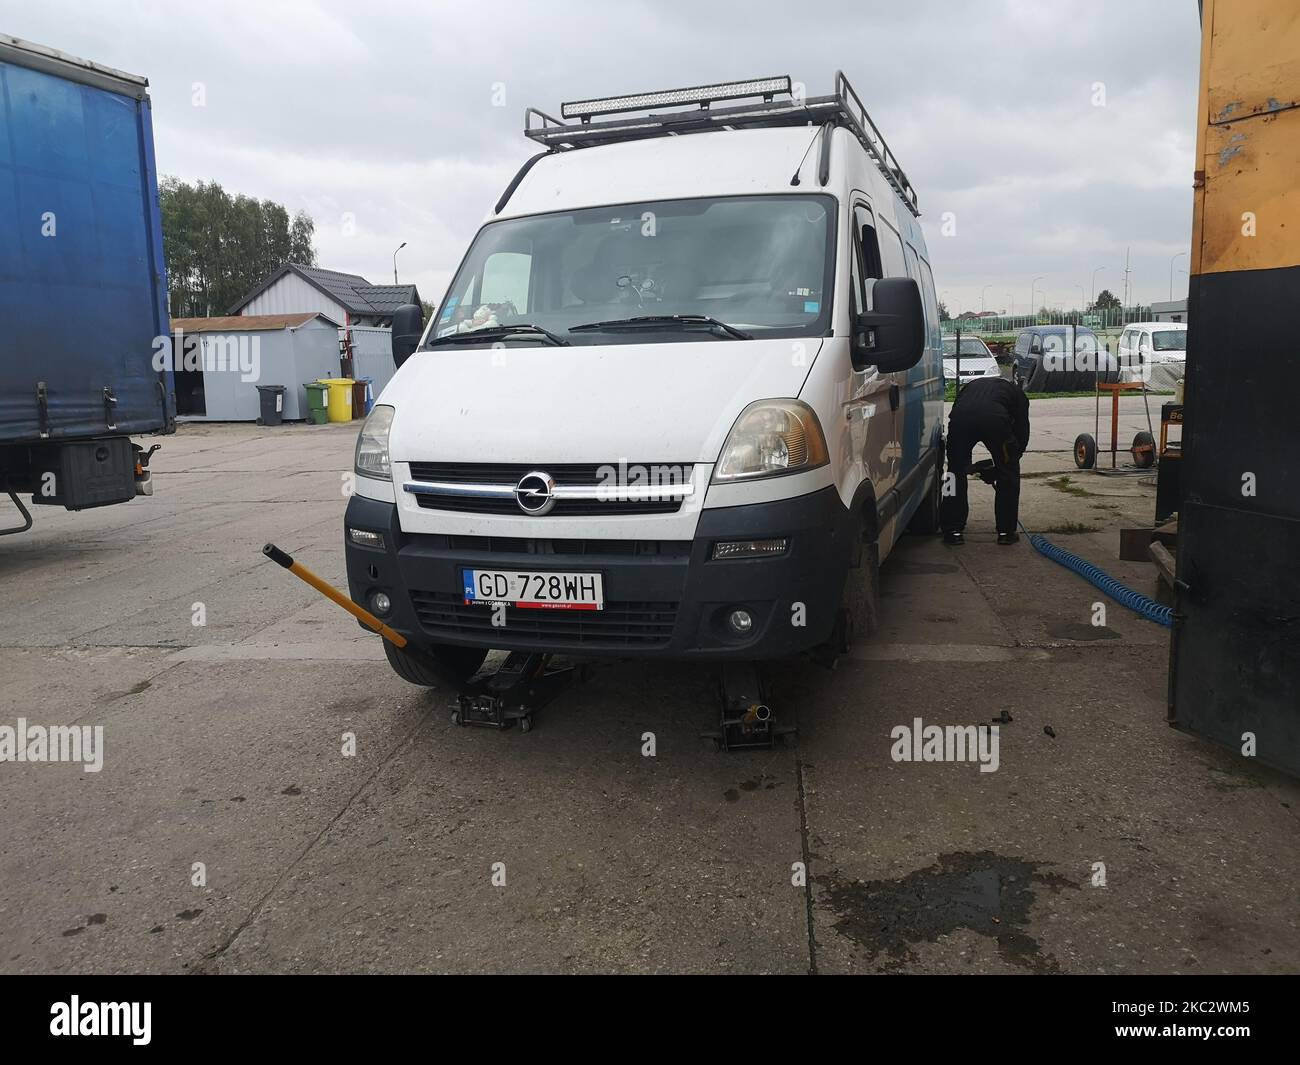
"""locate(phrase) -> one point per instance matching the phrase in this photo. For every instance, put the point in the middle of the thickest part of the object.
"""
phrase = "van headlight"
(772, 436)
(372, 444)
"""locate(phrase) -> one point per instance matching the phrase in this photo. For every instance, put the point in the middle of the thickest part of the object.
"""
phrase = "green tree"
(219, 246)
(1105, 300)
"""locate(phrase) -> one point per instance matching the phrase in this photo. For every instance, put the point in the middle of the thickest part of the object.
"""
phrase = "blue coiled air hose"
(1135, 601)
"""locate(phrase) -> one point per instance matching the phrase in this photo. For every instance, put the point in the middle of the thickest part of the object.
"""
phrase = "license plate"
(534, 591)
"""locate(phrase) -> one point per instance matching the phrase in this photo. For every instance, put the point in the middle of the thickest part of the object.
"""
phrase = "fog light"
(741, 622)
(366, 538)
(381, 603)
(748, 548)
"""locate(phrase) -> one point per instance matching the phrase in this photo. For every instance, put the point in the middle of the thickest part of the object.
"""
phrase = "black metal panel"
(1237, 652)
(1235, 660)
(1242, 416)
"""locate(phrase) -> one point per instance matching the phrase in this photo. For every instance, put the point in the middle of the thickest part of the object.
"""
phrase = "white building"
(364, 313)
(346, 298)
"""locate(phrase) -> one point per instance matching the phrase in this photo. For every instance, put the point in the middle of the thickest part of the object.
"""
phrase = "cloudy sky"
(1059, 134)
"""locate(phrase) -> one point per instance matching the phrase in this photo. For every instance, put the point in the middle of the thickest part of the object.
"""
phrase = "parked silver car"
(976, 359)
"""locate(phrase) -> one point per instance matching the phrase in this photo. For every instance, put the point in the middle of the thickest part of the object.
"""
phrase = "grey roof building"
(346, 298)
(1169, 311)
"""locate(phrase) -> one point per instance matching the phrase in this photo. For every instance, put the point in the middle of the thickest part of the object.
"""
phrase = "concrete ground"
(1104, 842)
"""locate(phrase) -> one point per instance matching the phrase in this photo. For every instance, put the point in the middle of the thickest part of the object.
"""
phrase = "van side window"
(865, 263)
(866, 255)
(930, 300)
(865, 228)
(891, 251)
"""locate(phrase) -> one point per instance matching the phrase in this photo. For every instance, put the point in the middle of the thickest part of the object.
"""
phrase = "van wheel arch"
(861, 597)
(865, 509)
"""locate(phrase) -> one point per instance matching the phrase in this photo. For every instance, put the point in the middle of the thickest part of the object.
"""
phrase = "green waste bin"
(317, 402)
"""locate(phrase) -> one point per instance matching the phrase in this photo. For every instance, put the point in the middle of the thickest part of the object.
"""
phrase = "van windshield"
(763, 265)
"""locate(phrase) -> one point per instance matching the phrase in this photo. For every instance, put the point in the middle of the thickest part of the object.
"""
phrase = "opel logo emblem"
(535, 493)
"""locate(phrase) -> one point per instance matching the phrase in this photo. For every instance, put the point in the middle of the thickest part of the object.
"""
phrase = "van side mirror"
(408, 327)
(891, 336)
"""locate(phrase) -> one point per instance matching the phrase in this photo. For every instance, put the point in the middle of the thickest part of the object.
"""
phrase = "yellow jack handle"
(363, 615)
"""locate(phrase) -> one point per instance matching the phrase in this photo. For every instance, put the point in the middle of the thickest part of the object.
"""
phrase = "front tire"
(862, 593)
(462, 661)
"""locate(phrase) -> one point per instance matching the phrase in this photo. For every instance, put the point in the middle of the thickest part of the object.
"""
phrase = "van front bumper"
(663, 599)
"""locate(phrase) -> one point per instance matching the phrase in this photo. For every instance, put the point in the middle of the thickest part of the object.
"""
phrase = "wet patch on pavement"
(988, 893)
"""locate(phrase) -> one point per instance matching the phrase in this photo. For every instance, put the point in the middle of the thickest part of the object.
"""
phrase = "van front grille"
(517, 545)
(501, 479)
(619, 625)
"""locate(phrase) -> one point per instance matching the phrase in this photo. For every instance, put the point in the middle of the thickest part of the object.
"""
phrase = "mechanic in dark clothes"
(994, 412)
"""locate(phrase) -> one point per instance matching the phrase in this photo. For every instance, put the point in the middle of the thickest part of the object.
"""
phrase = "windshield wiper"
(652, 320)
(499, 332)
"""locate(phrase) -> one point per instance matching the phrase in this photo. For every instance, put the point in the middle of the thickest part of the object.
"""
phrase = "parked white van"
(680, 400)
(1155, 352)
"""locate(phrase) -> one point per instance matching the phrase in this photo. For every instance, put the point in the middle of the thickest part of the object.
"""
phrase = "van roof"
(838, 121)
(1155, 325)
(717, 163)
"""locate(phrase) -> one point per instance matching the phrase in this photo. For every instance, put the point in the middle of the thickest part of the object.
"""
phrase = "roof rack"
(844, 108)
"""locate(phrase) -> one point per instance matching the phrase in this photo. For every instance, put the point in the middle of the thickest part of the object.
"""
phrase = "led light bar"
(366, 538)
(700, 94)
(748, 548)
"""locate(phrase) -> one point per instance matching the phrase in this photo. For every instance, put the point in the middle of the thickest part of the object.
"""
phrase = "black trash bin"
(272, 400)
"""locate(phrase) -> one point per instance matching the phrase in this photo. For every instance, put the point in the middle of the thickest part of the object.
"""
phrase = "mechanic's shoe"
(1008, 538)
(954, 538)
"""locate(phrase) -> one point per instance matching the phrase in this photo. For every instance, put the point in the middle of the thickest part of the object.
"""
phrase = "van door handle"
(893, 397)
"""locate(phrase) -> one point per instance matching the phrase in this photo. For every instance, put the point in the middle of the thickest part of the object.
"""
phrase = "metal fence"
(1109, 318)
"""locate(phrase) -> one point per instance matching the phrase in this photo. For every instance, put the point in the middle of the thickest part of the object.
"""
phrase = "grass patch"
(1067, 485)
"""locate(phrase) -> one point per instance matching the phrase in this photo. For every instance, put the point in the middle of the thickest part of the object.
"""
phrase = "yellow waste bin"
(340, 398)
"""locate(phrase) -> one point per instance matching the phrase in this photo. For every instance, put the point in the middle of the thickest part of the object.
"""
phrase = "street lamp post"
(399, 248)
(1172, 260)
(1094, 282)
(982, 291)
(1032, 286)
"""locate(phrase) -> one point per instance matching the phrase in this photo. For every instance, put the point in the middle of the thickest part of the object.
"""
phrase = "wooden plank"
(1164, 561)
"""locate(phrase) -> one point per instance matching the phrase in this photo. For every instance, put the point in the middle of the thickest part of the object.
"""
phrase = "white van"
(1154, 352)
(680, 399)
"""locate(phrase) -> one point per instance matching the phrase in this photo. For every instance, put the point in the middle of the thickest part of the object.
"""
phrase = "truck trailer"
(83, 291)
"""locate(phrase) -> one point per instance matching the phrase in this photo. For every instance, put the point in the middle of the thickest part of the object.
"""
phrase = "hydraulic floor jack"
(745, 721)
(513, 691)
